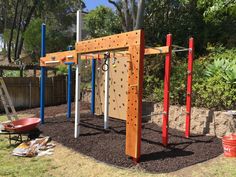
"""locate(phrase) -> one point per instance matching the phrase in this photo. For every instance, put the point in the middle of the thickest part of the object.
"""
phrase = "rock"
(203, 121)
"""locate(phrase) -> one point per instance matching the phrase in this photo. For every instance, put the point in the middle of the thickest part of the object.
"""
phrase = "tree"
(25, 25)
(101, 22)
(11, 33)
(16, 56)
(130, 12)
(16, 15)
(59, 16)
(215, 8)
(219, 17)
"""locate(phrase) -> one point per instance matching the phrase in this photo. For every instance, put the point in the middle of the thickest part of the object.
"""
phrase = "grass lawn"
(66, 162)
(19, 166)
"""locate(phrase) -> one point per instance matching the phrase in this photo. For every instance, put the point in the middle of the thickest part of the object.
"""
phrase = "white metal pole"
(106, 101)
(78, 76)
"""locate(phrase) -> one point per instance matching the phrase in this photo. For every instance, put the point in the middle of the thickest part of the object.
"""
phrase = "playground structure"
(132, 46)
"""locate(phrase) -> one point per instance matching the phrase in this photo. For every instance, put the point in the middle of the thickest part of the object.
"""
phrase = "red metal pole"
(166, 91)
(189, 87)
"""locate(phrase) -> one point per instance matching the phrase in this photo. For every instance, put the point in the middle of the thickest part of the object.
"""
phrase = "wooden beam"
(114, 42)
(157, 50)
(57, 58)
(54, 59)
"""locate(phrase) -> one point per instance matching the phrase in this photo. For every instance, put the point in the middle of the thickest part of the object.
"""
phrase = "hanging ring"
(105, 66)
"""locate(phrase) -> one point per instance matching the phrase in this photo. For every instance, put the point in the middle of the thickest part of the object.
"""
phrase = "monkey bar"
(58, 58)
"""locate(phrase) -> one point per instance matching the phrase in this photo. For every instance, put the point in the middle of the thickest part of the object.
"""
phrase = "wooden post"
(1, 72)
(35, 71)
(135, 94)
(21, 72)
(30, 93)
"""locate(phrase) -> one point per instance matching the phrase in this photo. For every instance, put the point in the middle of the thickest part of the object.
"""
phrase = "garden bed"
(109, 146)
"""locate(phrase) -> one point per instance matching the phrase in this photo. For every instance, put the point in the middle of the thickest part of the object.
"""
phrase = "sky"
(91, 4)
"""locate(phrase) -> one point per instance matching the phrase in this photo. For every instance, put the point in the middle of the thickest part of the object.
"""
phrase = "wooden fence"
(25, 92)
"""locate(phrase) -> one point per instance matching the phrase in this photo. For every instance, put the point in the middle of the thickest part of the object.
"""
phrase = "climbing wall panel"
(117, 90)
(134, 43)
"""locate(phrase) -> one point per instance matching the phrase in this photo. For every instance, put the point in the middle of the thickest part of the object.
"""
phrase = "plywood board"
(113, 42)
(117, 90)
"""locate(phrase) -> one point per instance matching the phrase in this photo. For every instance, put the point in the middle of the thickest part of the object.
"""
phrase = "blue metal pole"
(42, 78)
(69, 88)
(93, 86)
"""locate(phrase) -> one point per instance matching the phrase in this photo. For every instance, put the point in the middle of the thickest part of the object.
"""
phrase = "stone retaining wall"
(203, 121)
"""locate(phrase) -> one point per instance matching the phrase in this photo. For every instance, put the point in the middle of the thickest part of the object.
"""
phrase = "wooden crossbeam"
(156, 50)
(58, 58)
(113, 42)
(54, 59)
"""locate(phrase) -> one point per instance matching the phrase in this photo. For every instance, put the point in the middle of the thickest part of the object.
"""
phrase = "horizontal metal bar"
(180, 47)
(180, 50)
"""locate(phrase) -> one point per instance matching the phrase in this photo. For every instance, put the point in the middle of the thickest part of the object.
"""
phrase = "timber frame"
(130, 44)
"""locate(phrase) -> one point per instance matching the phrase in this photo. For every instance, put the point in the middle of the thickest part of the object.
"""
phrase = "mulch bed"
(109, 146)
(53, 110)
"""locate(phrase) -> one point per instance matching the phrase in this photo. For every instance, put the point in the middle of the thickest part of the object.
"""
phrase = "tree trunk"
(128, 22)
(132, 21)
(11, 33)
(133, 11)
(18, 30)
(140, 15)
(120, 13)
(27, 21)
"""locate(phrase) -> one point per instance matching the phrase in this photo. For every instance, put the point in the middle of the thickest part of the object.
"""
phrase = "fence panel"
(25, 92)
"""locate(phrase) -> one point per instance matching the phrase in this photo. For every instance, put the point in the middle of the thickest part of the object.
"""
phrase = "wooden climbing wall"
(133, 42)
(118, 87)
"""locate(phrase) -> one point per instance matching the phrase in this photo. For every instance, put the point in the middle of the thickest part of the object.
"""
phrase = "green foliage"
(224, 65)
(213, 81)
(33, 36)
(61, 70)
(101, 22)
(56, 40)
(214, 93)
(86, 71)
(215, 10)
(11, 74)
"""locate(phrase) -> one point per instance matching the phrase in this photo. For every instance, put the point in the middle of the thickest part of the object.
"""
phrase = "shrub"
(214, 81)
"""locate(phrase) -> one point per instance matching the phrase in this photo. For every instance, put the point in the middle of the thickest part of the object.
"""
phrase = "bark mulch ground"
(109, 146)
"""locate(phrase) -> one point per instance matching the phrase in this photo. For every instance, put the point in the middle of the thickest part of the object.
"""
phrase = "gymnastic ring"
(103, 67)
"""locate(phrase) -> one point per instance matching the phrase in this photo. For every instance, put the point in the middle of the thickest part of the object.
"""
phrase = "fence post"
(30, 94)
